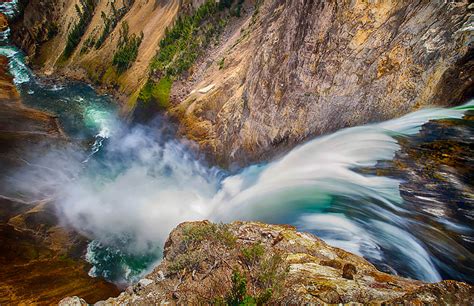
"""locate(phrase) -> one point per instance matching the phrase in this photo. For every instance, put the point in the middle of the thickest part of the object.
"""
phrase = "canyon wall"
(305, 68)
(43, 29)
(281, 72)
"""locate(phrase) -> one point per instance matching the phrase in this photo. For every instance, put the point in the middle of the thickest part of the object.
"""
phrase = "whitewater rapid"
(143, 186)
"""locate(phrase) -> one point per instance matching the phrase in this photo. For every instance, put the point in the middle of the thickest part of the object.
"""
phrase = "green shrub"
(53, 30)
(189, 261)
(237, 11)
(238, 294)
(158, 93)
(107, 29)
(113, 20)
(88, 43)
(197, 233)
(221, 63)
(253, 253)
(78, 29)
(264, 297)
(127, 50)
(213, 232)
(271, 273)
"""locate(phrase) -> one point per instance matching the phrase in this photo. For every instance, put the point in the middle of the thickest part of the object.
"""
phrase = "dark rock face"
(36, 25)
(312, 67)
(20, 126)
(273, 264)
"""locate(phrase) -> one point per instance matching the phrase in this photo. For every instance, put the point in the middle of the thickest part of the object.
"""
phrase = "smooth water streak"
(156, 185)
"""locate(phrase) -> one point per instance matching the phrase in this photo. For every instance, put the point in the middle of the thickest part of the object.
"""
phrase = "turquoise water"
(127, 185)
(81, 111)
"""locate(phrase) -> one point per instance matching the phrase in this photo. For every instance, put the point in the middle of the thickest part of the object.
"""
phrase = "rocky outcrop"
(40, 261)
(260, 263)
(20, 125)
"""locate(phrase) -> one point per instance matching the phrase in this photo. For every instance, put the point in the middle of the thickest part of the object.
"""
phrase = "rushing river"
(363, 189)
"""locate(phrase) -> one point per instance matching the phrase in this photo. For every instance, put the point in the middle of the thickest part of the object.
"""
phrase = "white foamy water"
(21, 73)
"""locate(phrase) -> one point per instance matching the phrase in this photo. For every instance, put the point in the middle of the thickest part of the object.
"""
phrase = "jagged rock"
(145, 282)
(73, 301)
(279, 265)
(206, 89)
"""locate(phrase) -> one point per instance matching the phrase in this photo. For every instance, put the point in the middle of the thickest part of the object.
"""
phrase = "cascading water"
(131, 185)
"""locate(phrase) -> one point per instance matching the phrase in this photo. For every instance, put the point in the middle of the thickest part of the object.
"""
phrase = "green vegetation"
(192, 254)
(268, 274)
(212, 232)
(88, 43)
(253, 253)
(182, 43)
(221, 63)
(188, 261)
(78, 29)
(53, 30)
(185, 41)
(257, 277)
(237, 11)
(158, 93)
(238, 294)
(271, 273)
(113, 20)
(127, 50)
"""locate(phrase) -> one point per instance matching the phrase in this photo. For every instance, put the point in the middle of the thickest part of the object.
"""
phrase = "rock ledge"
(260, 263)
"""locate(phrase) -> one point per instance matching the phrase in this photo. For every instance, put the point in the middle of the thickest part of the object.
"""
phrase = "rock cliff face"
(261, 263)
(282, 72)
(304, 68)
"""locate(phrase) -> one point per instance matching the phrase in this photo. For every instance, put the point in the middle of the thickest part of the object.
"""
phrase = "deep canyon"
(351, 121)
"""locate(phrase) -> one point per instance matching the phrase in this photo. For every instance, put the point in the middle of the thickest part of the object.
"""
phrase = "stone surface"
(73, 301)
(200, 259)
(3, 22)
(298, 69)
(43, 29)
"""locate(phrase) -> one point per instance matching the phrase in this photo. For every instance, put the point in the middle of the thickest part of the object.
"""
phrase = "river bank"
(41, 260)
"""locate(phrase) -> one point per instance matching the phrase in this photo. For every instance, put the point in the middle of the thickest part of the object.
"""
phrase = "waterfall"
(132, 184)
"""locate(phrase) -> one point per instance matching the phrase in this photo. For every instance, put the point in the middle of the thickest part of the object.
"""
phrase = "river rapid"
(365, 189)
